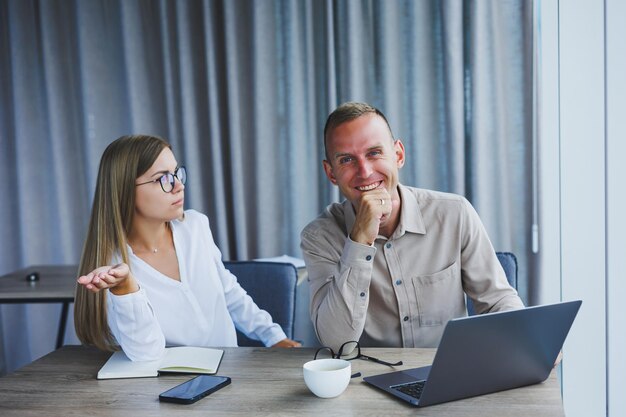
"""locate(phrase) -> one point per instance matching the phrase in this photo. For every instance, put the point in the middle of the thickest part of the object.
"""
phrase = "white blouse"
(197, 311)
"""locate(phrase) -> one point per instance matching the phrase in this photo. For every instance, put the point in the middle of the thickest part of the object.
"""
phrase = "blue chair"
(272, 286)
(509, 264)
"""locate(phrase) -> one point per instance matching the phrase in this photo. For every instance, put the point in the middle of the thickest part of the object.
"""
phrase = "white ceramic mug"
(327, 378)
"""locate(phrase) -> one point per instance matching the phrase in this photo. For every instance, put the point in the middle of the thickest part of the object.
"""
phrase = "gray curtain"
(242, 89)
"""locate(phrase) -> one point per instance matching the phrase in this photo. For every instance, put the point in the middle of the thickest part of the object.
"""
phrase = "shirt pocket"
(439, 296)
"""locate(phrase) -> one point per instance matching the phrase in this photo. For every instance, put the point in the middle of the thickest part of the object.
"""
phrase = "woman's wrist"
(126, 286)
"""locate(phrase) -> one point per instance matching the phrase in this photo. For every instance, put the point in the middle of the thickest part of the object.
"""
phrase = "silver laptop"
(486, 353)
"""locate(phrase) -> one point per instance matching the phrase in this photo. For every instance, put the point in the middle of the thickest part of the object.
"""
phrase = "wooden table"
(265, 381)
(56, 284)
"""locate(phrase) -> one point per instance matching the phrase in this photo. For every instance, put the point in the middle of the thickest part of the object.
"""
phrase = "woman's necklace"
(156, 250)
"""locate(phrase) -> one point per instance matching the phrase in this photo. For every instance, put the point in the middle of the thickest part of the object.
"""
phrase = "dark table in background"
(56, 284)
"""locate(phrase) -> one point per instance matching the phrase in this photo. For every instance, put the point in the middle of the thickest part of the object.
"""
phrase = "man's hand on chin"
(372, 206)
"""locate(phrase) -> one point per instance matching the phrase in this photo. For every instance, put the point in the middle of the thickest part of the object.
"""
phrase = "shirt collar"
(411, 219)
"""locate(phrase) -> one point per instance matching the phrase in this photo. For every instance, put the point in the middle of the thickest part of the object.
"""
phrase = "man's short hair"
(346, 113)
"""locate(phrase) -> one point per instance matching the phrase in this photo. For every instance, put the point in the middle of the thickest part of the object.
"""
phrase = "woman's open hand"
(117, 278)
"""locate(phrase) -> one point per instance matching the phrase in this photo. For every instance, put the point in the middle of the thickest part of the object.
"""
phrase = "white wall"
(582, 137)
(616, 203)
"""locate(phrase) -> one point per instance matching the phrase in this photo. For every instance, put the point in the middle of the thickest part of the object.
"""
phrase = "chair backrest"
(509, 264)
(272, 286)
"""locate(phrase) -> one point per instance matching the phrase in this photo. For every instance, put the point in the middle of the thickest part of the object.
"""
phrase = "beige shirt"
(402, 291)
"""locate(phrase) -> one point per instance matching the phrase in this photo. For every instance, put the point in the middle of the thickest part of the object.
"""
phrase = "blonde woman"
(151, 274)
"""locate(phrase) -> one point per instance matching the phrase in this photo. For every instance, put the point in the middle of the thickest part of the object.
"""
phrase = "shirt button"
(406, 318)
(362, 294)
(368, 258)
(388, 245)
(398, 282)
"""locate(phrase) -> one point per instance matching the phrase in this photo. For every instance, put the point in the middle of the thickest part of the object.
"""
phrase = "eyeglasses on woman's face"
(348, 351)
(168, 180)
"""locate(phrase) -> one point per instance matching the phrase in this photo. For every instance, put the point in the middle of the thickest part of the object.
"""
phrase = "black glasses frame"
(170, 179)
(359, 355)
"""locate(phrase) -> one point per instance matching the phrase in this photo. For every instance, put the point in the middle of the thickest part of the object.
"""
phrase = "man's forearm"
(335, 323)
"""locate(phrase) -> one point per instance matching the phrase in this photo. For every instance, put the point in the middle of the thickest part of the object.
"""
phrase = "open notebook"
(182, 359)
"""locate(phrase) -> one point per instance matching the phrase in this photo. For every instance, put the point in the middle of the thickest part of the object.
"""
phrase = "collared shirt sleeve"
(484, 279)
(339, 284)
(134, 326)
(247, 316)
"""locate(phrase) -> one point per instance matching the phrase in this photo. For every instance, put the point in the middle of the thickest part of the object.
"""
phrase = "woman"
(151, 274)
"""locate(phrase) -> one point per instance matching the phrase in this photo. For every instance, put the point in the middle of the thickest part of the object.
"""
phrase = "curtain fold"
(242, 90)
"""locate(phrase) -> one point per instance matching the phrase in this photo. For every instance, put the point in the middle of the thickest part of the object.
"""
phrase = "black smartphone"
(194, 389)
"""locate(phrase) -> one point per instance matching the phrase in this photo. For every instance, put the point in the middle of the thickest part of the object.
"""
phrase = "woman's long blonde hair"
(122, 162)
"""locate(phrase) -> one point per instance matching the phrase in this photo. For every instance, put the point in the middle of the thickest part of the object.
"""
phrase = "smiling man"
(391, 264)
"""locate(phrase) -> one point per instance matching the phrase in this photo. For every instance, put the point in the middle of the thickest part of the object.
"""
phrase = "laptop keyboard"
(412, 389)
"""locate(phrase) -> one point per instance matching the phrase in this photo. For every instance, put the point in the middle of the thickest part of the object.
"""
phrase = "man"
(391, 264)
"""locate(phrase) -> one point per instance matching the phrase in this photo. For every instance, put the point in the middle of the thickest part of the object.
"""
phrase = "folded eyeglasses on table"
(349, 351)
